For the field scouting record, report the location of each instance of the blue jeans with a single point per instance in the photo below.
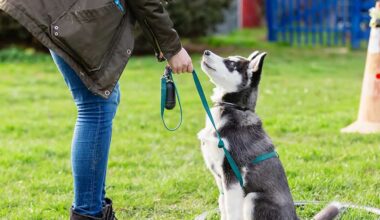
(91, 141)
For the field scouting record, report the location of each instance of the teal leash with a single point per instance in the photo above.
(206, 107)
(119, 5)
(221, 145)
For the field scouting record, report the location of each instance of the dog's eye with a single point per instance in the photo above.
(231, 64)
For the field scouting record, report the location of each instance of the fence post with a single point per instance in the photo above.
(355, 23)
(270, 14)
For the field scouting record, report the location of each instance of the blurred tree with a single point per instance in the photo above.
(7, 25)
(11, 32)
(192, 18)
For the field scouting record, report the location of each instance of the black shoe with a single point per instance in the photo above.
(108, 213)
(76, 216)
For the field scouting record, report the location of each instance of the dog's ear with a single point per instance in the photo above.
(253, 55)
(256, 64)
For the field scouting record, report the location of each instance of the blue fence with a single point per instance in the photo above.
(324, 22)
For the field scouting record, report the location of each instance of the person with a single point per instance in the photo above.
(91, 42)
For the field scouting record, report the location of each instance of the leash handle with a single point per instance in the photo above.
(230, 160)
(163, 100)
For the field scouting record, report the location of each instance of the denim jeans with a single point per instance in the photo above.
(91, 141)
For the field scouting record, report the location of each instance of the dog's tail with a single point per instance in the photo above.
(330, 212)
(334, 209)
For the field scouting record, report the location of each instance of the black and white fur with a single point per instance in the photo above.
(266, 194)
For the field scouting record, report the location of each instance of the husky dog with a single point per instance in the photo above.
(265, 194)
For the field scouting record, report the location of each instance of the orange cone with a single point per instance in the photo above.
(369, 110)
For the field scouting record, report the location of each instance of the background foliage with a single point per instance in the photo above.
(11, 31)
(196, 18)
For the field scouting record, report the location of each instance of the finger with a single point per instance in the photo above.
(190, 68)
(179, 70)
(184, 68)
(175, 70)
(187, 68)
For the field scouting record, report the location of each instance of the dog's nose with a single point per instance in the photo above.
(207, 52)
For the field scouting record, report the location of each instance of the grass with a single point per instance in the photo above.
(306, 97)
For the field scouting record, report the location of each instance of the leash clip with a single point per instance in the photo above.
(167, 74)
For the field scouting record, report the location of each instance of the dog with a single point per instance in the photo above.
(265, 194)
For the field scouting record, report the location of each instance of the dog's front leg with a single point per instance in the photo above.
(221, 201)
(234, 201)
(222, 207)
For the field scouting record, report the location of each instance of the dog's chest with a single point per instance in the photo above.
(213, 155)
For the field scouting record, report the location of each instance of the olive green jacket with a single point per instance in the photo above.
(95, 36)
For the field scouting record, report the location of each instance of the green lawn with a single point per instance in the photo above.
(306, 96)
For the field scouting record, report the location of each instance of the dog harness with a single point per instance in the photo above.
(231, 161)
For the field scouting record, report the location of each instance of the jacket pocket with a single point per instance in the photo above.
(87, 35)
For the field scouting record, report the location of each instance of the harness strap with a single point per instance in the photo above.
(163, 99)
(264, 157)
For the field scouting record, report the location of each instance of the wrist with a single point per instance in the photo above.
(171, 54)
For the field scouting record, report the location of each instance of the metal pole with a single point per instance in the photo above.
(355, 24)
(270, 14)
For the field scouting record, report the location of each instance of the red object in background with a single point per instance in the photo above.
(378, 76)
(251, 13)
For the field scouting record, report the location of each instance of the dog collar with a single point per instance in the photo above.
(223, 104)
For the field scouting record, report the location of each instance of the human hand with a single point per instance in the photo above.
(181, 62)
